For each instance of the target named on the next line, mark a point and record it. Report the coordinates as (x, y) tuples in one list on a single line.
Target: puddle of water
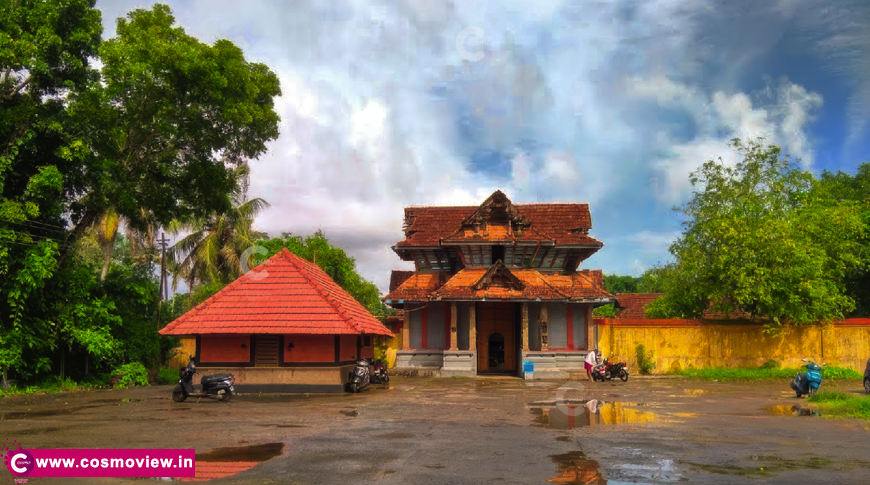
[(42, 414), (253, 453), (575, 468), (591, 413), (789, 410), (696, 392)]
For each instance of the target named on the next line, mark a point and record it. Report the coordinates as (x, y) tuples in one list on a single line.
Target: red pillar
[(570, 323), (424, 328)]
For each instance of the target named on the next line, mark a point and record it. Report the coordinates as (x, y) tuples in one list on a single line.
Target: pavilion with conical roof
[(285, 326)]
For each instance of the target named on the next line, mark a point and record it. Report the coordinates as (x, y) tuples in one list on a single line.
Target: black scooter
[(215, 385), (360, 377)]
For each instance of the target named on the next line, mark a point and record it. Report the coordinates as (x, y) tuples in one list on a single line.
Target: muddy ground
[(485, 430)]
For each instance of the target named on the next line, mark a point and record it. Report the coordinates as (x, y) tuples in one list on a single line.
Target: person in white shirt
[(591, 361)]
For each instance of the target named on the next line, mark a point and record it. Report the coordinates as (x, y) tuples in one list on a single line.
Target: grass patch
[(167, 377), (51, 385), (760, 374), (840, 405)]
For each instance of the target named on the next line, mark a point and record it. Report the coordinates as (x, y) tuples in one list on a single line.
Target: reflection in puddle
[(43, 413), (575, 468), (788, 410), (225, 462), (590, 413)]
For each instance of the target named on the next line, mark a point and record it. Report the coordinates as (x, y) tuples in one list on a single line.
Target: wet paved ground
[(486, 430)]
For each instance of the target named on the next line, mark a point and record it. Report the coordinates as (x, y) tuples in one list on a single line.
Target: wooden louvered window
[(477, 255), (536, 262), (266, 351)]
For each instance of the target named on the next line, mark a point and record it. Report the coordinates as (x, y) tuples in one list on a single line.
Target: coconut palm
[(142, 237), (212, 250)]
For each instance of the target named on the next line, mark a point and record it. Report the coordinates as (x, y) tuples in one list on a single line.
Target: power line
[(63, 241), (34, 222)]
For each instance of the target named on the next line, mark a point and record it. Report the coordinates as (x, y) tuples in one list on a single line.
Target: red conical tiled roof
[(284, 295)]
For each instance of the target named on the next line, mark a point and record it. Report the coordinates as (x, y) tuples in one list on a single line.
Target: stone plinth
[(459, 363), (419, 362), (556, 365)]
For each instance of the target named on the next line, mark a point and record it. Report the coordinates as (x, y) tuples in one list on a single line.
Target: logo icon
[(19, 461)]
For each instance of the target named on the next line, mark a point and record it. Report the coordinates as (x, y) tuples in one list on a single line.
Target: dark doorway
[(496, 352), (497, 254)]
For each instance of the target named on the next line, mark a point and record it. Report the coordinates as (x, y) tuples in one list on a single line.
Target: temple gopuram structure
[(497, 285)]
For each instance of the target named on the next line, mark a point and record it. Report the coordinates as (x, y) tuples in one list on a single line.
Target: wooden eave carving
[(497, 201), (499, 269)]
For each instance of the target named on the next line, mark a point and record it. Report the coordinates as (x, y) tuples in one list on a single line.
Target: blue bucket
[(528, 367)]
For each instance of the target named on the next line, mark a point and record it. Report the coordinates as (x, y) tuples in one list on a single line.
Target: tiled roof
[(294, 297), (564, 223), (581, 285), (632, 305), (398, 277), (419, 286)]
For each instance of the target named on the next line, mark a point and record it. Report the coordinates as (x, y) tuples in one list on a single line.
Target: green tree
[(756, 238), (212, 252), (333, 261), (843, 187), (167, 118)]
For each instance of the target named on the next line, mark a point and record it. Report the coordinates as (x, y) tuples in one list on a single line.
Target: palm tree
[(212, 250), (142, 237)]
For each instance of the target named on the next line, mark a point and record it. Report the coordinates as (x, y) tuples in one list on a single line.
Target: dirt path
[(497, 430)]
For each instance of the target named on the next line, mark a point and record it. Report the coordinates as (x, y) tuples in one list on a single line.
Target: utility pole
[(162, 243)]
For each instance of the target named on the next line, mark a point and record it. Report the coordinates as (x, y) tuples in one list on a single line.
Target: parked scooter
[(360, 377), (379, 372), (610, 370), (214, 385), (808, 382)]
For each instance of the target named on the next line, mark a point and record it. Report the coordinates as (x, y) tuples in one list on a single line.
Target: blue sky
[(390, 104)]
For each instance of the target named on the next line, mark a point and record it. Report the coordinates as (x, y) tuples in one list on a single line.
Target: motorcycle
[(610, 370), (808, 382), (379, 372), (217, 385), (360, 377)]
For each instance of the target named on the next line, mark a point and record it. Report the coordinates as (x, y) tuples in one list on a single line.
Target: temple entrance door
[(496, 340), (496, 352)]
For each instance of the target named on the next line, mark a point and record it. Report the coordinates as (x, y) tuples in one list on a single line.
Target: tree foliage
[(333, 261), (757, 238), (150, 138)]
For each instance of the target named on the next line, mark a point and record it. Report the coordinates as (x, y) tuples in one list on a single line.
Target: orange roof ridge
[(333, 302), (208, 301)]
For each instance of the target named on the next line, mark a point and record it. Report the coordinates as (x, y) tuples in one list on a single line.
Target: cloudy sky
[(393, 103)]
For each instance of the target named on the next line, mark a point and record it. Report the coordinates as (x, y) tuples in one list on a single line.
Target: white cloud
[(784, 120)]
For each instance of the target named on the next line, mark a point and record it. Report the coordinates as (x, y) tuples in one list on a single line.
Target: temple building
[(494, 286)]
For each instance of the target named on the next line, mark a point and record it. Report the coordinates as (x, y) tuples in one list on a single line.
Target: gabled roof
[(633, 306), (398, 277), (566, 223), (521, 284), (293, 296)]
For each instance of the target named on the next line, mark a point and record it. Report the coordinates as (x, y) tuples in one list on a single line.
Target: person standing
[(591, 362)]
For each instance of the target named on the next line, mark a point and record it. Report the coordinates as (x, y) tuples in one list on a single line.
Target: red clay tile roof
[(398, 277), (582, 285), (633, 305), (419, 286), (564, 223), (295, 297)]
